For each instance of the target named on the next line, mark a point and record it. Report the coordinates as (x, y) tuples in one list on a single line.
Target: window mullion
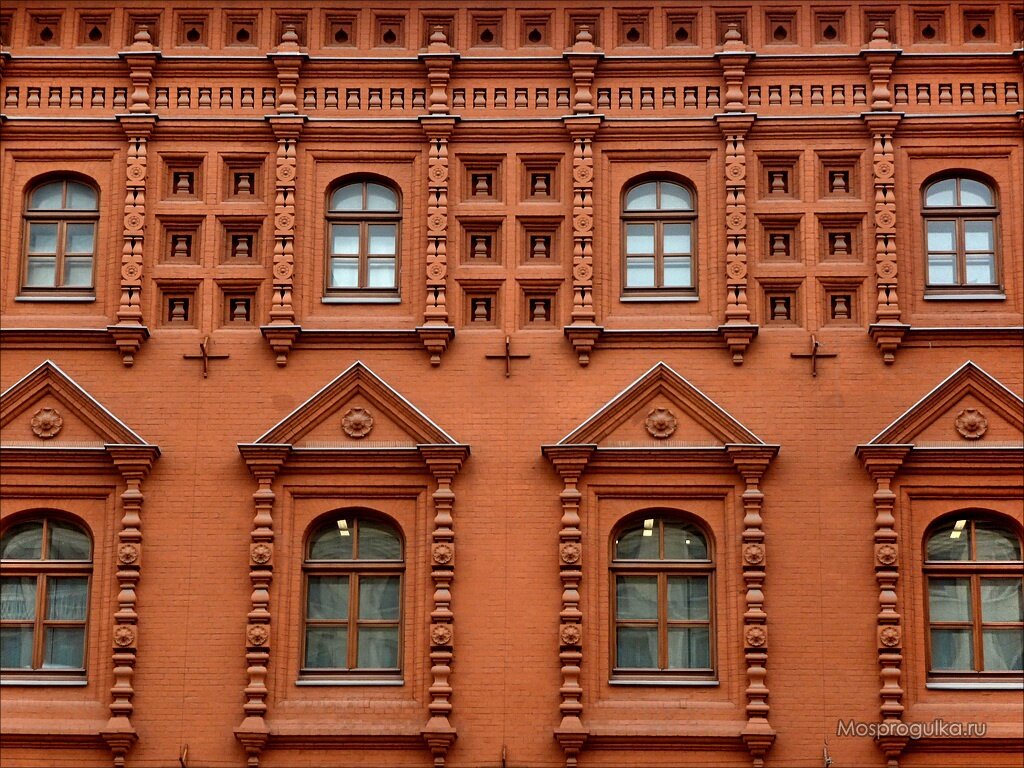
[(662, 621), (979, 658), (58, 269), (353, 620), (38, 628)]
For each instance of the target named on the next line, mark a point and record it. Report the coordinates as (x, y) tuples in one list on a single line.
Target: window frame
[(663, 570), (974, 570), (363, 219), (354, 569), (61, 217), (959, 214), (43, 569), (659, 218)]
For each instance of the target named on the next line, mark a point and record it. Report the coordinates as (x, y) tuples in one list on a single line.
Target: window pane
[(80, 197), (327, 597), (380, 198), (378, 648), (952, 649), (641, 197), (640, 272), (378, 597), (348, 198), (78, 272), (981, 269), (675, 197), (344, 273), (949, 599), (951, 542), (16, 647), (64, 648), (79, 238), (47, 197), (1001, 600), (327, 647), (378, 541), (66, 597), (941, 236), (995, 543), (683, 542), (637, 647), (42, 238), (974, 193), (382, 239), (676, 238), (639, 238), (381, 273), (978, 236), (345, 239), (636, 597), (333, 541), (941, 270), (18, 598), (688, 598), (23, 541), (689, 648), (639, 543), (677, 272), (941, 193), (1003, 649)]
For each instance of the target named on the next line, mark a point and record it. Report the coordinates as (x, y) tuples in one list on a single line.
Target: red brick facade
[(506, 285)]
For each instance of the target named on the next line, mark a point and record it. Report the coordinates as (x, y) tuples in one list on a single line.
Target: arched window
[(658, 220), (975, 616), (363, 219), (353, 587), (662, 604), (960, 233), (45, 564), (60, 236)]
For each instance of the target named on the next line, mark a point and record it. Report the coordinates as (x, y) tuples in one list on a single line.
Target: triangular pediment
[(357, 409), (968, 409), (661, 409), (47, 408)]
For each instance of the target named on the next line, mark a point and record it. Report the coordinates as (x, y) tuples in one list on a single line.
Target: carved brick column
[(571, 734), (882, 463), (444, 463), (282, 331), (752, 462), (887, 331), (134, 463), (735, 123), (264, 463)]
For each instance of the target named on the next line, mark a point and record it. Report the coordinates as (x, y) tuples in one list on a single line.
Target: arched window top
[(45, 539), (364, 196), (63, 195), (658, 195), (972, 537), (661, 536), (958, 192), (347, 536)]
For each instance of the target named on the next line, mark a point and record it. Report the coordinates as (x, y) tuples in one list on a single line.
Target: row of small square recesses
[(179, 302), (840, 302), (482, 304)]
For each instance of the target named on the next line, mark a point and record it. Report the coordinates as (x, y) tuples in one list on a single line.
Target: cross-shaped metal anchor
[(814, 354), (507, 356), (205, 356)]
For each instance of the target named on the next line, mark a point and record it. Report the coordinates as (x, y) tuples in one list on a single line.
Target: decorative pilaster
[(264, 463), (571, 734), (735, 123), (134, 463), (438, 733), (752, 462), (282, 330), (887, 330)]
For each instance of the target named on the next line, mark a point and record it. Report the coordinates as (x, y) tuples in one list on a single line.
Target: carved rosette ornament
[(889, 637), (570, 553), (570, 634), (443, 553), (357, 423), (886, 554), (661, 423), (756, 636), (260, 554), (971, 424), (441, 634), (127, 554), (753, 554), (257, 634), (124, 636), (47, 423)]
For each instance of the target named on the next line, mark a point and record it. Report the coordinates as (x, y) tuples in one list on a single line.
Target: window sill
[(654, 299), (47, 299), (994, 685), (361, 300), (965, 297), (364, 681), (38, 683), (660, 683)]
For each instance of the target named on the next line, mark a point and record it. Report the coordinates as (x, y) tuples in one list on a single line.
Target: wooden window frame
[(959, 215), (363, 218), (354, 569), (975, 571), (659, 219), (43, 569), (61, 217), (662, 569)]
